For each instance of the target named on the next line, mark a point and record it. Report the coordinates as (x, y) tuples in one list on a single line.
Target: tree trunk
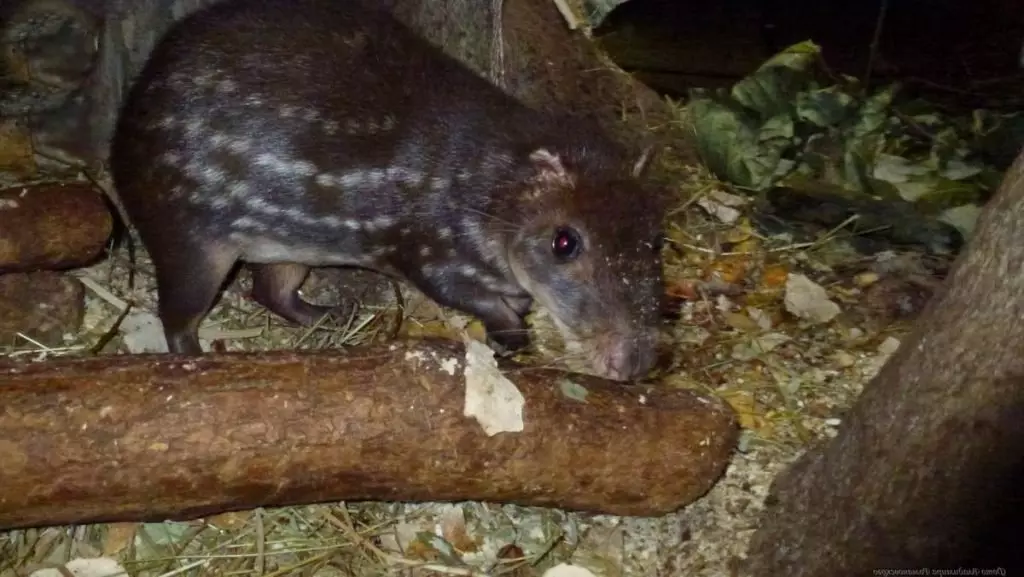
[(928, 466), (153, 437)]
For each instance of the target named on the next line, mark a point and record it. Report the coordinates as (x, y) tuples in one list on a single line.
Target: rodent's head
[(588, 250)]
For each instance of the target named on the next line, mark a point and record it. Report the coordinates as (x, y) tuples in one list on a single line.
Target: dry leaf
[(435, 328), (682, 289), (741, 322), (731, 269), (453, 529), (230, 520), (720, 211), (775, 276), (745, 406), (866, 279), (808, 300), (119, 536)]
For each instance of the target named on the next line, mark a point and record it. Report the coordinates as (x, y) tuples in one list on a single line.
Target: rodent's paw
[(507, 344)]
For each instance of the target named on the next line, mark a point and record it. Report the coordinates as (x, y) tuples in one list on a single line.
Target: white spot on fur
[(352, 224), (238, 189), (444, 232), (203, 80), (332, 222), (227, 86), (438, 184), (287, 111), (248, 223), (220, 202), (331, 127), (239, 146), (425, 251), (373, 178), (405, 231), (171, 158), (381, 222), (467, 270), (259, 205), (285, 167), (193, 128), (219, 139), (310, 115), (213, 176)]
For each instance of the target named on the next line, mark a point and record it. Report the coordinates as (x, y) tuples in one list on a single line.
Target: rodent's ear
[(549, 167), (644, 161)]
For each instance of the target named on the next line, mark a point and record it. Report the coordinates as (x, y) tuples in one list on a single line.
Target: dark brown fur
[(290, 134)]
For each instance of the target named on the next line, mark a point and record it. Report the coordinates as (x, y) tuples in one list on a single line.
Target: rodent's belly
[(268, 250)]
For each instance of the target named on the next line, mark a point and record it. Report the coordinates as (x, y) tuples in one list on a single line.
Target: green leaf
[(573, 390), (729, 142), (800, 57), (824, 106)]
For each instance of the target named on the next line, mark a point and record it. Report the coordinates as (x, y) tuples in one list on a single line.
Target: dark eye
[(566, 243)]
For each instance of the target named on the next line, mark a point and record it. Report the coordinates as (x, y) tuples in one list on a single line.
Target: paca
[(289, 134)]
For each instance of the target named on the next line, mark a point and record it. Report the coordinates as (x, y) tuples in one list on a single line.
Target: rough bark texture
[(43, 306), (927, 468), (156, 437), (546, 65), (52, 226)]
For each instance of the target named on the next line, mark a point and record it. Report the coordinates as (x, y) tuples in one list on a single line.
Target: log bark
[(927, 468), (52, 227), (153, 437), (41, 306)]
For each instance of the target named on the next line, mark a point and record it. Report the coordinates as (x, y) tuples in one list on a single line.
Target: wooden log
[(52, 226), (154, 437), (927, 468), (42, 306)]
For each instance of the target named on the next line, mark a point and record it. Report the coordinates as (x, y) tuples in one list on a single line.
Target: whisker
[(495, 218)]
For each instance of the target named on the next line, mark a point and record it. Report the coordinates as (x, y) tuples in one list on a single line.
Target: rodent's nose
[(629, 358)]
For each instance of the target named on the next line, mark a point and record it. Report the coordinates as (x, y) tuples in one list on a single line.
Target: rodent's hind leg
[(276, 286), (188, 283)]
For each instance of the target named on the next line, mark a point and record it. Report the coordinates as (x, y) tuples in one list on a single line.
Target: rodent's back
[(324, 84)]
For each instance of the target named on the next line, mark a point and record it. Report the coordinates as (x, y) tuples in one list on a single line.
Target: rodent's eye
[(566, 243)]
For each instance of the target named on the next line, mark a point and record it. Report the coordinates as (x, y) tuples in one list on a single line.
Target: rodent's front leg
[(505, 326)]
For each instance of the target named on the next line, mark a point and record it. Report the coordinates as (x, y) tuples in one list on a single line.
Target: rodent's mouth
[(612, 354)]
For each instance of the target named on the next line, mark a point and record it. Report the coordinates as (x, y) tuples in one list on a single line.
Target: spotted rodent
[(289, 134)]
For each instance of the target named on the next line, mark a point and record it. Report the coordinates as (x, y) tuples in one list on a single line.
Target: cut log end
[(162, 437), (52, 227)]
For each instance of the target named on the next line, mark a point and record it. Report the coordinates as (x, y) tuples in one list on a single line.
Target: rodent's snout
[(624, 359)]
